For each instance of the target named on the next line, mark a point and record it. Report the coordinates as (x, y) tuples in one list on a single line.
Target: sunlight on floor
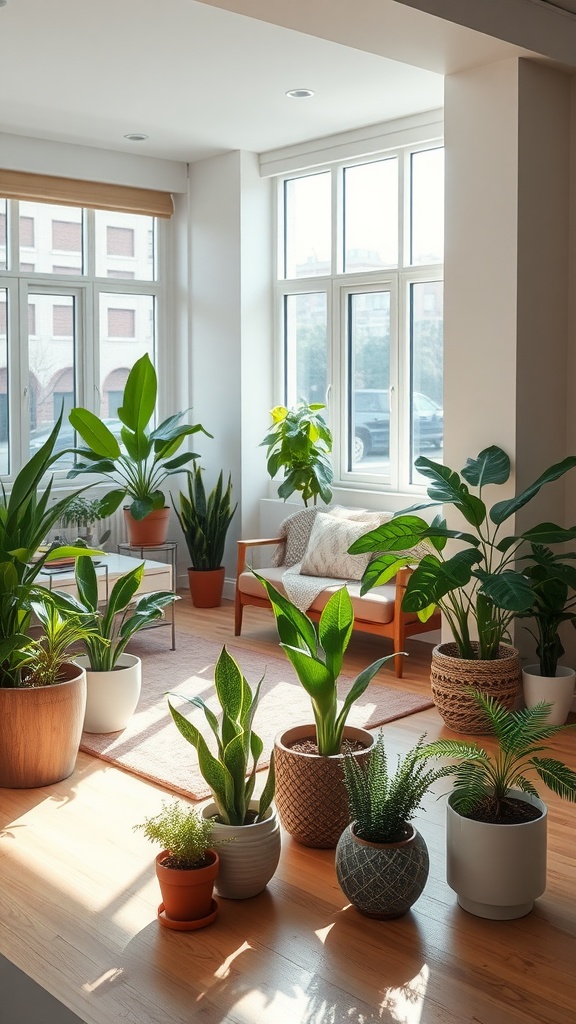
[(224, 969), (405, 1004), (112, 975)]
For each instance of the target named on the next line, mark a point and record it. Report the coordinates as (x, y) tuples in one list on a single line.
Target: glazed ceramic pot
[(497, 871), (187, 894), (556, 690), (249, 861), (111, 697), (382, 880), (310, 791), (452, 678)]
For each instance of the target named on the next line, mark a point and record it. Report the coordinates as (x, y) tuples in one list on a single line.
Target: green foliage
[(299, 442), (521, 736), (205, 520), (382, 802), (478, 584), (228, 774), (116, 622), (26, 517), (148, 456), (317, 657), (82, 511), (45, 655), (552, 578), (183, 832)]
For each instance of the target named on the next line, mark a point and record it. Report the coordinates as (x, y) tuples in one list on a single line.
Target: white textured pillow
[(327, 551)]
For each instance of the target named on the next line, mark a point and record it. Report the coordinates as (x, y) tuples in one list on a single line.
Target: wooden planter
[(40, 730), (151, 531), (310, 792), (206, 586), (451, 679)]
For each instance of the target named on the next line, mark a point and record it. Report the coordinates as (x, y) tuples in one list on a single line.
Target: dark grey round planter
[(382, 880)]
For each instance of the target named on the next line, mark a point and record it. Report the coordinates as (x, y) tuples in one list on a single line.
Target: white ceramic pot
[(497, 871), (558, 690), (249, 861), (111, 696)]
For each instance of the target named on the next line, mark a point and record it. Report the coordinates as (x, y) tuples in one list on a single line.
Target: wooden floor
[(78, 910)]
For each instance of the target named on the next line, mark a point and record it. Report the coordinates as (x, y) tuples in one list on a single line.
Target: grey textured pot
[(382, 880)]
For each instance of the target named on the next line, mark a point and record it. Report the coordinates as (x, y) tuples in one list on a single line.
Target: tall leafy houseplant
[(204, 520), (552, 577), (148, 456), (299, 443), (478, 584)]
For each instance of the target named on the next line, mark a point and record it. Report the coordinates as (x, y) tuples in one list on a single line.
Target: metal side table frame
[(170, 550)]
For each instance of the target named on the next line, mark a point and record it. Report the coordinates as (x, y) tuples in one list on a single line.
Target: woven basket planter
[(311, 794), (451, 677)]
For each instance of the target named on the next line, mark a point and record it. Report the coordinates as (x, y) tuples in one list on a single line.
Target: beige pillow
[(327, 551)]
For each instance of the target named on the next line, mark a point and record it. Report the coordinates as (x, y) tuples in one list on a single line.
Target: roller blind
[(97, 195)]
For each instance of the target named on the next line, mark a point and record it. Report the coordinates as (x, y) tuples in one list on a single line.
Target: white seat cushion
[(376, 606)]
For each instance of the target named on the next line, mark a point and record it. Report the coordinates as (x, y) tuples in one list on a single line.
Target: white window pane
[(427, 208), (125, 245), (369, 397), (307, 211), (127, 331), (306, 346), (4, 436), (52, 369), (426, 414), (371, 216), (51, 238)]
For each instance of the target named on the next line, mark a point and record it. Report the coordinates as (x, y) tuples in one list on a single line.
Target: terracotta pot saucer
[(187, 926)]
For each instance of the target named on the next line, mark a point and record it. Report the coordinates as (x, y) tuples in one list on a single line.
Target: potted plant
[(41, 714), (204, 522), (310, 791), (113, 676), (83, 513), (496, 824), (553, 580), (299, 442), (477, 588), (381, 859), (146, 459), (248, 863), (186, 867)]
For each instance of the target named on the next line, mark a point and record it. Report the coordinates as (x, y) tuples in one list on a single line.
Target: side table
[(170, 552)]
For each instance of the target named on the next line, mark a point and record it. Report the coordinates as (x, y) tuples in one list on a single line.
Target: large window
[(69, 333), (360, 308)]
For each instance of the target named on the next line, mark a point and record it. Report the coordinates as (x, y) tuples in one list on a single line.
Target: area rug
[(151, 745)]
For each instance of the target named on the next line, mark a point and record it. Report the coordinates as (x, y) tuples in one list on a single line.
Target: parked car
[(372, 422)]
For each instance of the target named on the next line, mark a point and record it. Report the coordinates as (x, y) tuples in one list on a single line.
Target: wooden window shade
[(96, 195)]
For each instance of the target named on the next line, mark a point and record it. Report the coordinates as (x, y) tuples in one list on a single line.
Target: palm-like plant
[(382, 802), (299, 442), (44, 656), (482, 778), (205, 519)]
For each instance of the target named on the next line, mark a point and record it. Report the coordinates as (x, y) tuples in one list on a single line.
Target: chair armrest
[(243, 546)]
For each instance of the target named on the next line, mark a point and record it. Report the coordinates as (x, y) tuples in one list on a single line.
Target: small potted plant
[(83, 513), (204, 521), (310, 791), (381, 859), (477, 588), (147, 456), (299, 443), (247, 864), (496, 825), (553, 581), (186, 867), (113, 676)]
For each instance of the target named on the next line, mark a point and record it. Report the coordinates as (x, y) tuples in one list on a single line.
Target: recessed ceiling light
[(299, 94), (134, 136)]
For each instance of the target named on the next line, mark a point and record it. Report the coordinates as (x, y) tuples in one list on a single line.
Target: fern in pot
[(204, 520)]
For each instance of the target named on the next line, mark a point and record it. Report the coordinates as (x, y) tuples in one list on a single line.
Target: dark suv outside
[(372, 422)]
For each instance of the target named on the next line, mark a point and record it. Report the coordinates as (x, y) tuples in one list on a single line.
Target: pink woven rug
[(151, 745)]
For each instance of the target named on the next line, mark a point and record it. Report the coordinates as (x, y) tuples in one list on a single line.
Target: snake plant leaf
[(359, 685), (335, 629), (295, 629)]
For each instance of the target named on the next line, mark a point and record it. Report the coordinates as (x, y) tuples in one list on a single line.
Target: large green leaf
[(398, 534), (94, 433), (492, 466), (502, 510), (294, 627), (508, 590), (432, 579), (316, 679), (335, 629), (447, 487), (549, 533), (228, 682), (382, 569), (139, 399)]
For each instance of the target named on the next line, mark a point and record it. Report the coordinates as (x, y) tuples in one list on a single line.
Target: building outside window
[(360, 312), (55, 335)]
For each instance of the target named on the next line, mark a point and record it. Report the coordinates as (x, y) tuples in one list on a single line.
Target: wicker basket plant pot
[(452, 678), (310, 791)]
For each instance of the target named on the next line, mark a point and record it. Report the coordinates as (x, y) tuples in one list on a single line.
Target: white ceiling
[(200, 80)]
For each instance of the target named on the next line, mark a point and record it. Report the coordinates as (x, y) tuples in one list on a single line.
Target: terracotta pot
[(40, 730), (249, 861), (310, 791), (452, 677), (382, 880), (148, 532), (111, 696), (187, 894), (206, 586), (497, 871), (556, 690)]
